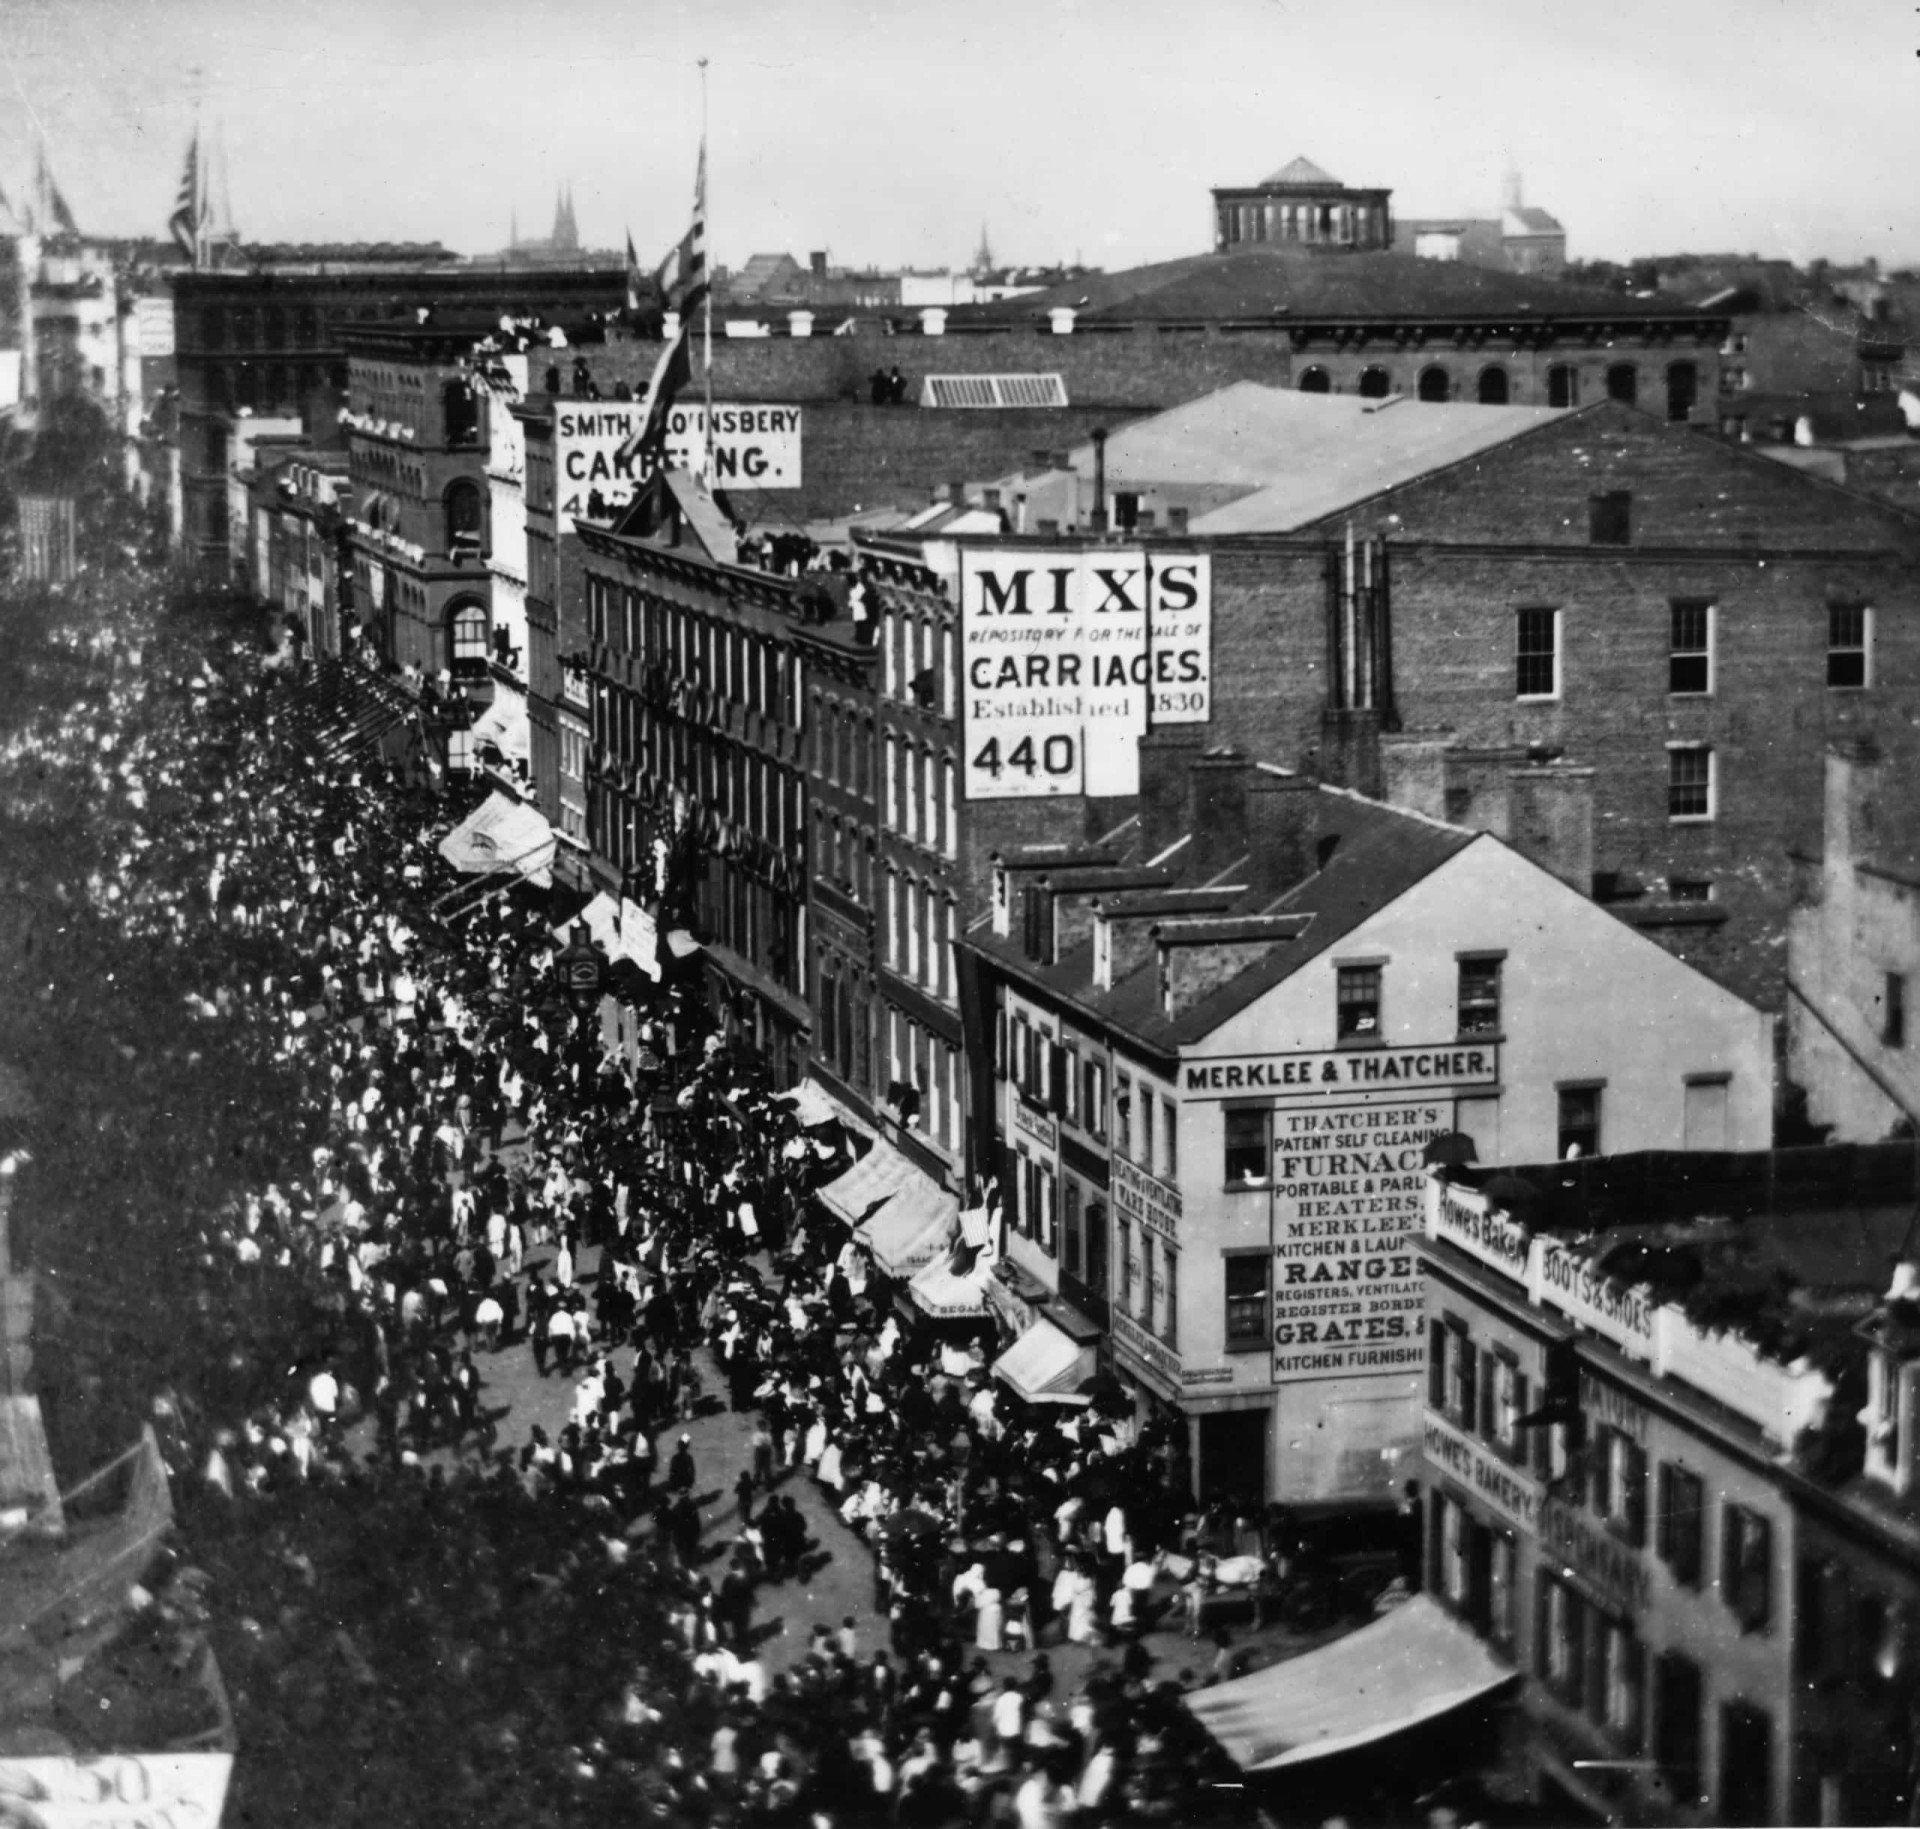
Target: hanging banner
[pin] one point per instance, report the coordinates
(754, 447)
(1349, 1201)
(1063, 654)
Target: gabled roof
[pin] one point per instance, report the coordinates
(1525, 220)
(1378, 854)
(1301, 171)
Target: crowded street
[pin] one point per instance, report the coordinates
(542, 1449)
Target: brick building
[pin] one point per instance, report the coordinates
(270, 340)
(1300, 203)
(1223, 1038)
(1667, 1476)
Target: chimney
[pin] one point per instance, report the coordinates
(1099, 479)
(1413, 766)
(1550, 819)
(1177, 522)
(817, 263)
(1122, 943)
(957, 492)
(1217, 810)
(1047, 527)
(1164, 755)
(1283, 827)
(1854, 767)
(1143, 520)
(990, 499)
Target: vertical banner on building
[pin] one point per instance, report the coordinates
(1349, 1200)
(754, 447)
(1065, 654)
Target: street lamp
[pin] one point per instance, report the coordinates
(582, 971)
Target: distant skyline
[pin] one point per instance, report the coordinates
(886, 134)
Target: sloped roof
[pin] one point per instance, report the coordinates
(1527, 220)
(1302, 283)
(1256, 459)
(1380, 853)
(760, 271)
(1301, 171)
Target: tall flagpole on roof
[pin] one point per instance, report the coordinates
(707, 307)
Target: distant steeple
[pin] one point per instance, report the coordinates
(1511, 194)
(513, 230)
(983, 255)
(566, 235)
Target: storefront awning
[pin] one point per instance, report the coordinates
(877, 1176)
(502, 835)
(1046, 1366)
(1416, 1663)
(912, 1229)
(944, 1294)
(810, 1104)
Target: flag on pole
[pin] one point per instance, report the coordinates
(683, 278)
(186, 221)
(635, 278)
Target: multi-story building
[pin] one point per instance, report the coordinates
(1664, 1473)
(298, 542)
(1420, 612)
(1225, 1039)
(1302, 205)
(269, 340)
(698, 672)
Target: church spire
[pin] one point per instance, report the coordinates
(983, 255)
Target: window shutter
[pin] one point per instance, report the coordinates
(1543, 1630)
(1600, 1473)
(1489, 1378)
(1056, 1077)
(1632, 1730)
(1436, 1366)
(1663, 1514)
(1636, 1494)
(1757, 1577)
(1469, 1381)
(1436, 1540)
(1522, 1407)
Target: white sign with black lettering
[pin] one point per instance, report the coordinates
(1063, 655)
(1349, 1196)
(754, 447)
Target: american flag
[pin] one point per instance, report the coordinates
(683, 278)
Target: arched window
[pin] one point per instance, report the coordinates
(1435, 384)
(1315, 380)
(466, 516)
(1493, 386)
(1683, 389)
(1375, 384)
(1563, 385)
(1623, 382)
(468, 635)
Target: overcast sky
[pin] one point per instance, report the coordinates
(888, 133)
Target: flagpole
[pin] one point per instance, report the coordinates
(706, 213)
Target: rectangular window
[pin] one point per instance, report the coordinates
(1502, 1561)
(1093, 1106)
(1677, 1725)
(1680, 1536)
(1746, 1762)
(1617, 1467)
(1464, 1394)
(1148, 1280)
(1610, 518)
(1622, 1674)
(1690, 653)
(1070, 1083)
(1438, 1334)
(1123, 1116)
(1146, 1132)
(1249, 1131)
(1170, 1140)
(1690, 781)
(1247, 1289)
(1561, 1657)
(1170, 1314)
(1536, 651)
(1123, 1265)
(1893, 1014)
(1479, 997)
(1070, 1254)
(1849, 644)
(1357, 1003)
(1746, 1567)
(1579, 1121)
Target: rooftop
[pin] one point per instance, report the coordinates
(1303, 283)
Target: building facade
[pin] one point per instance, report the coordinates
(1304, 205)
(1223, 1056)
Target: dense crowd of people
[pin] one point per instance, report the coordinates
(318, 1139)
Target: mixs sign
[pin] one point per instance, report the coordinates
(754, 447)
(1064, 654)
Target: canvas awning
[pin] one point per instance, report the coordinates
(810, 1104)
(502, 834)
(912, 1229)
(944, 1294)
(876, 1177)
(1046, 1365)
(1416, 1663)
